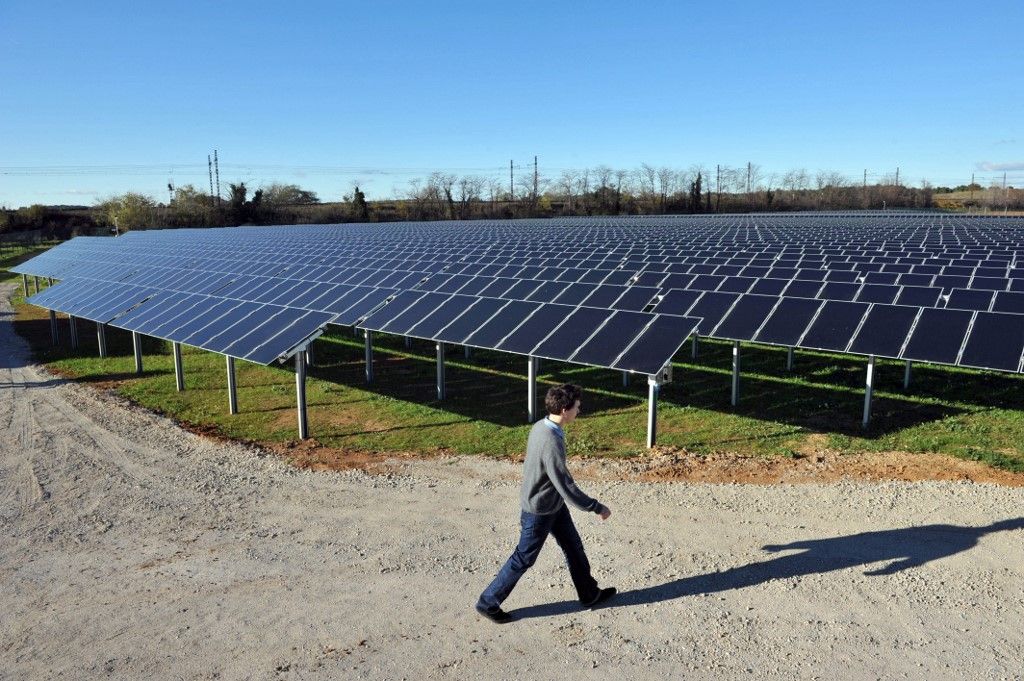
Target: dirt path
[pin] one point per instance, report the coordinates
(130, 549)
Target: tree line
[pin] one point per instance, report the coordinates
(602, 190)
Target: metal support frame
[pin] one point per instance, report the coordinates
(906, 376)
(693, 350)
(369, 356)
(179, 374)
(789, 359)
(73, 331)
(54, 336)
(531, 389)
(440, 371)
(309, 354)
(49, 282)
(101, 338)
(468, 351)
(735, 373)
(35, 282)
(137, 349)
(869, 387)
(408, 342)
(625, 379)
(24, 280)
(653, 389)
(300, 394)
(232, 388)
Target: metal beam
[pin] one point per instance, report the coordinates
(73, 331)
(101, 338)
(309, 354)
(369, 356)
(625, 379)
(693, 351)
(300, 394)
(653, 389)
(24, 280)
(789, 359)
(232, 389)
(906, 376)
(408, 342)
(179, 374)
(137, 349)
(35, 281)
(468, 350)
(735, 373)
(531, 389)
(54, 337)
(869, 387)
(440, 371)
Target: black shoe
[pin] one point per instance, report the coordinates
(498, 616)
(602, 596)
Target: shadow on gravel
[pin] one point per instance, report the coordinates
(902, 549)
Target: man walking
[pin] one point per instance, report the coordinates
(547, 485)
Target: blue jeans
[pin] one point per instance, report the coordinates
(535, 529)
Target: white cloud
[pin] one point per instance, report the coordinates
(989, 167)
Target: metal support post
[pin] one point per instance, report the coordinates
(440, 371)
(137, 349)
(735, 373)
(101, 338)
(179, 374)
(35, 282)
(789, 359)
(625, 379)
(531, 389)
(232, 389)
(693, 351)
(300, 393)
(868, 389)
(309, 355)
(369, 356)
(468, 350)
(24, 280)
(408, 342)
(906, 376)
(653, 388)
(49, 282)
(73, 331)
(53, 328)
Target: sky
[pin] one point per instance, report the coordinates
(97, 99)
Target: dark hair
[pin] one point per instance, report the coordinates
(562, 397)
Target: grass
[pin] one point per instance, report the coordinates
(962, 413)
(12, 254)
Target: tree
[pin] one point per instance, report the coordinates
(129, 211)
(277, 194)
(359, 210)
(695, 192)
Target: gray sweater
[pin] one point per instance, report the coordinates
(546, 480)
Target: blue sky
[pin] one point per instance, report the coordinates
(102, 98)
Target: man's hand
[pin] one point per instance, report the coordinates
(606, 513)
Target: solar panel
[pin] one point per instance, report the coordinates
(834, 327)
(884, 330)
(745, 317)
(938, 336)
(996, 341)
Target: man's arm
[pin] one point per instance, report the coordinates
(558, 473)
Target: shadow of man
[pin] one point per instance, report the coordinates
(904, 548)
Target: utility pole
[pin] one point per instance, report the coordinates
(897, 176)
(1006, 194)
(216, 170)
(972, 186)
(748, 177)
(209, 166)
(535, 179)
(718, 188)
(511, 186)
(170, 191)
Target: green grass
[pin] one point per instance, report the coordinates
(966, 414)
(13, 254)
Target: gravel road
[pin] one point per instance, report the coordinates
(133, 550)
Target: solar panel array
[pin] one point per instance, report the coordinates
(614, 292)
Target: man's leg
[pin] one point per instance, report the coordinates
(535, 529)
(564, 532)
